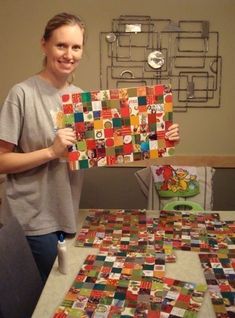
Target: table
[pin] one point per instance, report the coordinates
(186, 268)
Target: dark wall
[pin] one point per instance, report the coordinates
(117, 187)
(112, 188)
(224, 189)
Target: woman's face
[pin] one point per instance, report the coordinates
(63, 50)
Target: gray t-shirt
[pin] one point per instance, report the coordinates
(46, 198)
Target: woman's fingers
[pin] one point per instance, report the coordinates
(173, 133)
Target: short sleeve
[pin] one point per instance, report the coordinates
(12, 116)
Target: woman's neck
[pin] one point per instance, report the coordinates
(58, 83)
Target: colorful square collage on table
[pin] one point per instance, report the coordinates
(123, 230)
(118, 125)
(219, 272)
(111, 230)
(184, 230)
(221, 237)
(120, 287)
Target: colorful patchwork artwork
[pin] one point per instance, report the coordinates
(123, 287)
(158, 244)
(184, 230)
(118, 125)
(122, 230)
(119, 230)
(219, 271)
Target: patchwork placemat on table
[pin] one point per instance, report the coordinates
(122, 229)
(219, 271)
(118, 125)
(185, 230)
(119, 286)
(112, 231)
(221, 237)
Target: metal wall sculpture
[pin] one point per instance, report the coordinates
(139, 50)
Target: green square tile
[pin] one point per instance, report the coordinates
(100, 257)
(93, 273)
(120, 296)
(81, 145)
(190, 314)
(157, 285)
(116, 270)
(153, 127)
(136, 274)
(106, 300)
(89, 134)
(168, 116)
(123, 283)
(85, 292)
(86, 96)
(69, 119)
(99, 286)
(76, 313)
(83, 164)
(148, 267)
(117, 122)
(67, 303)
(126, 122)
(78, 284)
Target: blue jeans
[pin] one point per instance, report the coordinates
(44, 250)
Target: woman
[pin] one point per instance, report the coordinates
(40, 190)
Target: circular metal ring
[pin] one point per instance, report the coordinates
(156, 59)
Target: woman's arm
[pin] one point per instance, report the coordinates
(12, 162)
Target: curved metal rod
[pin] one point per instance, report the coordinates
(127, 72)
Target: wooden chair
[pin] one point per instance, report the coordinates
(20, 281)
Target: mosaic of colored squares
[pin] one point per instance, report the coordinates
(127, 278)
(118, 125)
(120, 286)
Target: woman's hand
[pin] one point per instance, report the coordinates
(172, 133)
(64, 138)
